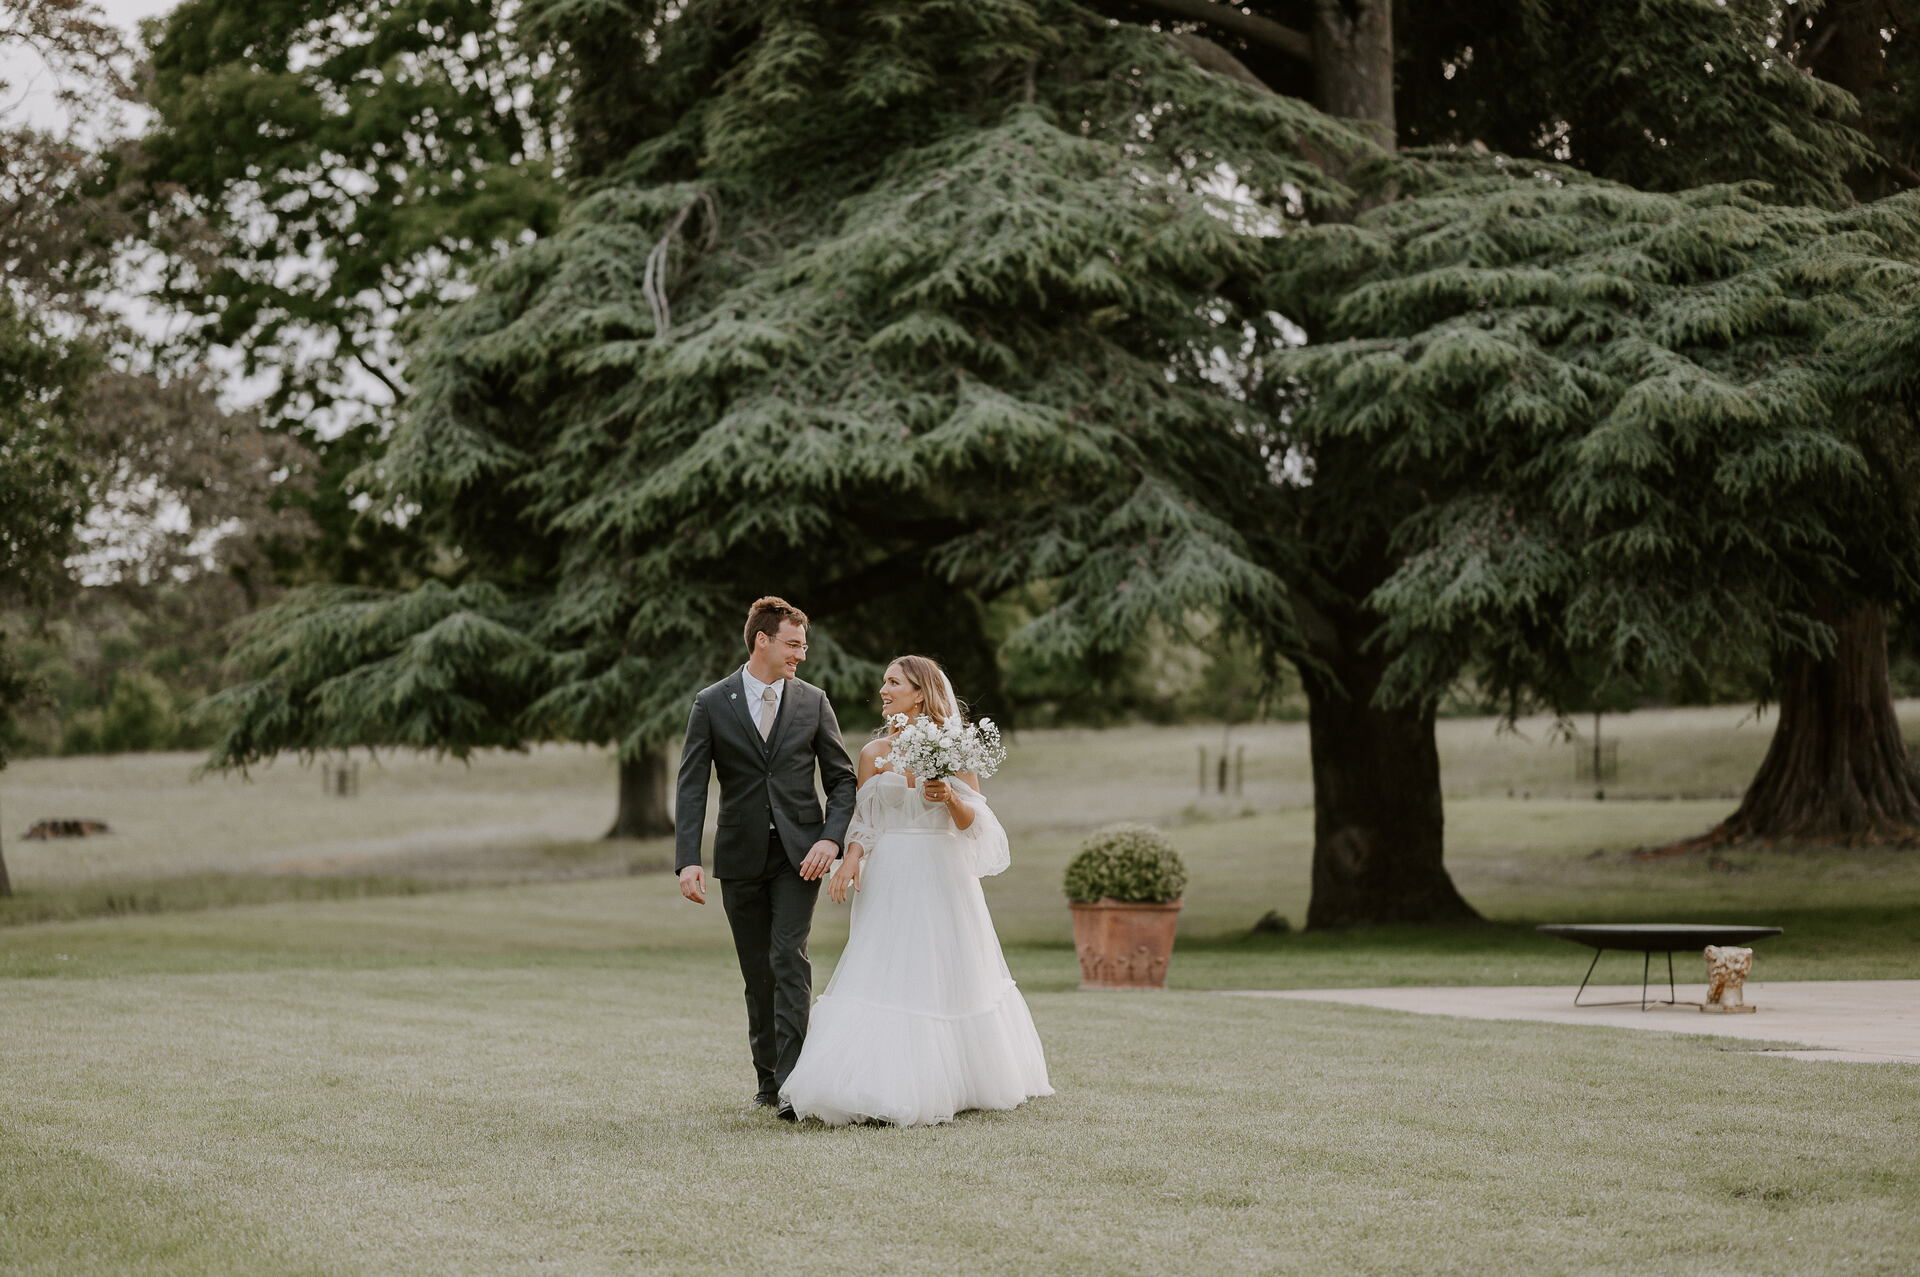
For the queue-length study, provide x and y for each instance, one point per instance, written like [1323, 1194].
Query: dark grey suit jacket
[761, 782]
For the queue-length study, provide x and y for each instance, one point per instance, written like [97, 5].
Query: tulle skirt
[921, 1019]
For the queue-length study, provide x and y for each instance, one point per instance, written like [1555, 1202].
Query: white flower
[938, 751]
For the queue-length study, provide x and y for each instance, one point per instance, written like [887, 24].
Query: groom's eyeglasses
[798, 647]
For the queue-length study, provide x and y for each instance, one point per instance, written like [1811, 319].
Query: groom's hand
[693, 884]
[819, 860]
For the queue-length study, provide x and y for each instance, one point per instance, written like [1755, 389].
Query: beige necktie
[766, 712]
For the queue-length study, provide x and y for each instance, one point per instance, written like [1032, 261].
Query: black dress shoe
[765, 1101]
[787, 1114]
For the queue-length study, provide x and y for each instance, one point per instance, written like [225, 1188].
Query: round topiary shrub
[1131, 863]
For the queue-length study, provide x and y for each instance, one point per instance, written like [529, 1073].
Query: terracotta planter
[1123, 945]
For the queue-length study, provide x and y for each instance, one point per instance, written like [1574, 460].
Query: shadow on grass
[191, 892]
[1863, 942]
[187, 893]
[1825, 942]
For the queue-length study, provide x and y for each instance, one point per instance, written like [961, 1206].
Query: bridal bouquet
[933, 752]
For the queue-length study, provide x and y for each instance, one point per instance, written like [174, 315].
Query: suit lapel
[780, 719]
[737, 697]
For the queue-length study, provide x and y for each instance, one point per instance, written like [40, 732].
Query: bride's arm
[847, 873]
[982, 840]
[858, 835]
[938, 791]
[958, 807]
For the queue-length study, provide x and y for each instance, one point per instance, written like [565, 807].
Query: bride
[921, 1019]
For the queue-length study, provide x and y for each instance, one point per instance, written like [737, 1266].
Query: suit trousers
[771, 916]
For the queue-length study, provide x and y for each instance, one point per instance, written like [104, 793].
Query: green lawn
[552, 1075]
[554, 1078]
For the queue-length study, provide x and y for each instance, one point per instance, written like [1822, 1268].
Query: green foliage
[346, 547]
[1871, 49]
[15, 689]
[441, 668]
[41, 483]
[115, 669]
[1212, 674]
[930, 353]
[1662, 94]
[194, 506]
[910, 327]
[388, 148]
[1627, 415]
[1132, 863]
[139, 715]
[42, 486]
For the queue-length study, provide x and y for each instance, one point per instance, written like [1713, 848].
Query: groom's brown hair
[766, 614]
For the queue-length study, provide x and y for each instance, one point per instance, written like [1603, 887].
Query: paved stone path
[1858, 1021]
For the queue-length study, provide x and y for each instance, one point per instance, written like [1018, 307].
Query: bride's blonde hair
[925, 676]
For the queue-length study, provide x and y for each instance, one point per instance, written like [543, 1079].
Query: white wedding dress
[921, 1019]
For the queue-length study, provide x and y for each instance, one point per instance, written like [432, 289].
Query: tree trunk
[643, 797]
[1353, 62]
[1378, 823]
[1379, 828]
[1837, 769]
[6, 884]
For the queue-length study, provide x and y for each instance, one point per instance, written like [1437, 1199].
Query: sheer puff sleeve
[864, 828]
[984, 841]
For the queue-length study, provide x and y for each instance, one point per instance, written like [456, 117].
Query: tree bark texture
[1378, 823]
[643, 811]
[1838, 769]
[1353, 61]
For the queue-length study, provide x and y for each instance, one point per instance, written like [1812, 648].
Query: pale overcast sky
[30, 88]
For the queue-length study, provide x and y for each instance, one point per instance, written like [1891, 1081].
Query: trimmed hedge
[1130, 863]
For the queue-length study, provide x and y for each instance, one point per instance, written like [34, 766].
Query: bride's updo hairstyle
[925, 676]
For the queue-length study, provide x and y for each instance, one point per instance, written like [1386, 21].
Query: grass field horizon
[546, 1069]
[1550, 852]
[182, 838]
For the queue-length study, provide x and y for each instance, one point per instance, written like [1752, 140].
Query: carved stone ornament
[1727, 970]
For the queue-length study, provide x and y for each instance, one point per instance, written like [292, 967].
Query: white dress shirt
[755, 696]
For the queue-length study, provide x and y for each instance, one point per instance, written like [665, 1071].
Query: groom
[763, 730]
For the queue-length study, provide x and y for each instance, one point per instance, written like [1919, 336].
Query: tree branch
[1264, 31]
[398, 391]
[1209, 56]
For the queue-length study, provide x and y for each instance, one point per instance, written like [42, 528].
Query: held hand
[693, 884]
[847, 875]
[819, 860]
[939, 791]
